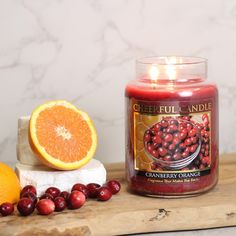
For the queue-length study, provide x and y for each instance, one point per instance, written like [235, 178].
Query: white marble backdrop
[84, 51]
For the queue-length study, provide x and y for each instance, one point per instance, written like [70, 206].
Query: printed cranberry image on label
[175, 143]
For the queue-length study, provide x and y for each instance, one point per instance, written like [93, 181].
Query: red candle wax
[172, 129]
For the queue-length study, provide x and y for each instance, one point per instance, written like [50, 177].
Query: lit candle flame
[154, 72]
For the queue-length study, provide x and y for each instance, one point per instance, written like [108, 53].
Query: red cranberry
[186, 118]
[165, 144]
[170, 129]
[46, 196]
[206, 134]
[162, 151]
[164, 132]
[160, 134]
[206, 153]
[153, 132]
[147, 137]
[176, 141]
[60, 204]
[184, 124]
[203, 133]
[45, 207]
[192, 133]
[188, 142]
[177, 150]
[185, 154]
[76, 200]
[157, 127]
[28, 188]
[182, 146]
[208, 160]
[30, 195]
[193, 140]
[155, 153]
[168, 138]
[167, 158]
[183, 134]
[156, 139]
[177, 156]
[114, 186]
[82, 188]
[173, 128]
[25, 206]
[202, 150]
[205, 160]
[104, 194]
[174, 122]
[193, 148]
[176, 135]
[206, 122]
[189, 126]
[164, 123]
[55, 192]
[6, 209]
[205, 119]
[171, 147]
[206, 140]
[93, 190]
[148, 131]
[187, 149]
[204, 116]
[150, 148]
[199, 127]
[65, 195]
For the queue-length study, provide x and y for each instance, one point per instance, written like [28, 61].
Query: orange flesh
[63, 133]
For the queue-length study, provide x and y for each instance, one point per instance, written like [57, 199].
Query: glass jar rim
[171, 60]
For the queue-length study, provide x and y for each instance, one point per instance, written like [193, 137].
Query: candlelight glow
[171, 68]
[154, 72]
[171, 72]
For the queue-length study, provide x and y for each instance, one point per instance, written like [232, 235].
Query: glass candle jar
[171, 128]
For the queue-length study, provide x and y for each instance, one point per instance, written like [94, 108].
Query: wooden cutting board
[128, 214]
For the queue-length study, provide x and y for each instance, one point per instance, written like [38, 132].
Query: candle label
[172, 140]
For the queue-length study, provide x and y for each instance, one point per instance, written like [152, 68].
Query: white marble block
[24, 153]
[42, 177]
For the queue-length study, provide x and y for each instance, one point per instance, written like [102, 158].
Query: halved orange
[62, 136]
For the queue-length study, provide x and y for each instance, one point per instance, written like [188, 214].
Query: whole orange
[9, 185]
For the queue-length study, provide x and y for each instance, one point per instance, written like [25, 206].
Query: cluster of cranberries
[203, 160]
[177, 138]
[55, 200]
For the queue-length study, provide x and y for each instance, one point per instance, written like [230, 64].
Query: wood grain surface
[128, 214]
